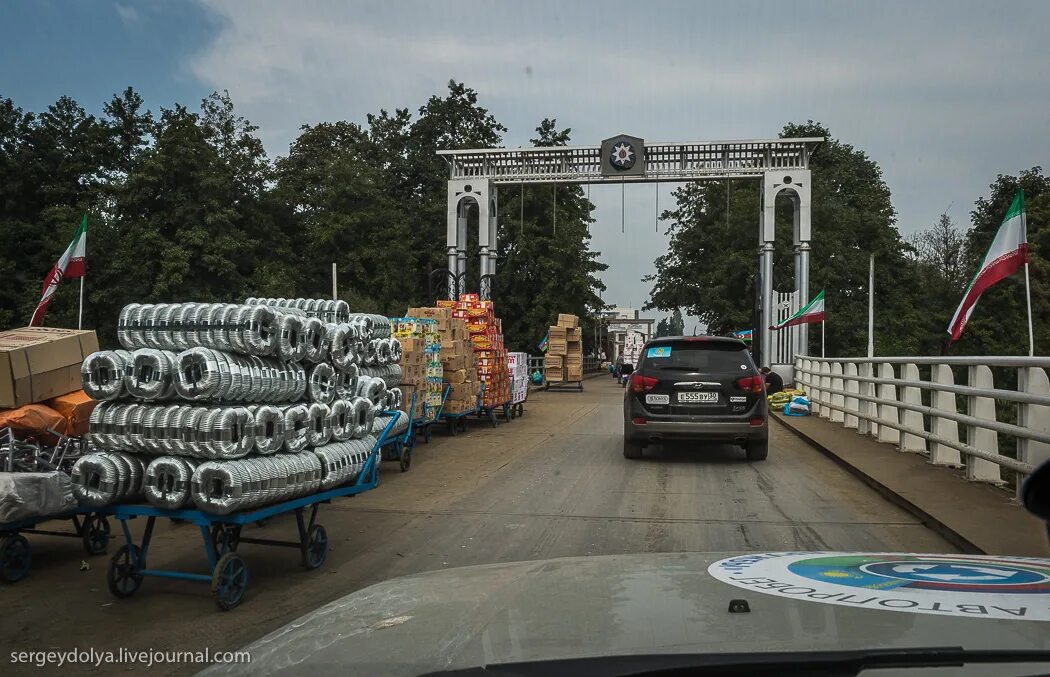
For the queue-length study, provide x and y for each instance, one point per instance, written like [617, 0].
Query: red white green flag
[813, 312]
[1007, 255]
[71, 264]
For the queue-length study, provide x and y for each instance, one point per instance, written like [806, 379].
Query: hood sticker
[964, 586]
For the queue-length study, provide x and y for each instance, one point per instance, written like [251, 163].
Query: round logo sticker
[968, 586]
[622, 156]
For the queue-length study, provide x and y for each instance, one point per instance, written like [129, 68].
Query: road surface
[551, 484]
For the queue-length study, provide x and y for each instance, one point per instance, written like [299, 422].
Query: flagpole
[871, 306]
[80, 315]
[822, 338]
[1028, 298]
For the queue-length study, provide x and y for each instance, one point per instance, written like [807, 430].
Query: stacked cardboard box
[456, 357]
[486, 337]
[564, 360]
[38, 363]
[518, 366]
[421, 370]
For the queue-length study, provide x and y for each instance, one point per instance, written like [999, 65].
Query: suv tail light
[641, 384]
[752, 384]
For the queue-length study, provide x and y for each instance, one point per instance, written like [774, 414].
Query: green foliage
[187, 206]
[999, 325]
[711, 266]
[542, 272]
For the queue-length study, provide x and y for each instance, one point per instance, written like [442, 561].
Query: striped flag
[1007, 255]
[543, 344]
[71, 265]
[813, 312]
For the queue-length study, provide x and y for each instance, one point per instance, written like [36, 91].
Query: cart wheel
[95, 534]
[581, 386]
[410, 443]
[406, 460]
[15, 558]
[229, 580]
[315, 550]
[427, 434]
[463, 423]
[507, 409]
[123, 576]
[521, 409]
[453, 426]
[225, 538]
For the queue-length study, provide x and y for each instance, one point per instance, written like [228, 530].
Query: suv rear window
[703, 356]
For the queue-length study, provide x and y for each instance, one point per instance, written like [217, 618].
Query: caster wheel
[95, 534]
[229, 581]
[315, 551]
[225, 538]
[123, 576]
[463, 424]
[427, 434]
[15, 558]
[453, 426]
[406, 460]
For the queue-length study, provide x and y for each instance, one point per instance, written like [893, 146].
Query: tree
[711, 266]
[998, 325]
[543, 272]
[662, 328]
[676, 325]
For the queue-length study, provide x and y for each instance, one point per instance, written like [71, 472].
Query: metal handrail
[814, 374]
[1004, 428]
[990, 361]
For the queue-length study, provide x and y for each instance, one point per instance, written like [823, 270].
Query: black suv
[702, 388]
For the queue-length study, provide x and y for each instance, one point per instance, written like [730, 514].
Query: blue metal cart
[491, 413]
[398, 447]
[425, 424]
[227, 573]
[16, 557]
[457, 423]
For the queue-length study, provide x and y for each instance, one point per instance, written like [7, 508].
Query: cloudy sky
[944, 95]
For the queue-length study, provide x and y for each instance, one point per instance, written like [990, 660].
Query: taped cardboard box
[38, 363]
[557, 347]
[556, 332]
[455, 363]
[458, 376]
[566, 320]
[464, 391]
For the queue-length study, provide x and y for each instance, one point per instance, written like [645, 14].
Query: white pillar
[825, 384]
[867, 410]
[766, 268]
[1034, 417]
[837, 415]
[888, 412]
[852, 386]
[910, 418]
[978, 469]
[942, 427]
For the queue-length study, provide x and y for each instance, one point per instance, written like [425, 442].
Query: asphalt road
[551, 484]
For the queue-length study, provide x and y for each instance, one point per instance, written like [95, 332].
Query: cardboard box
[38, 363]
[558, 333]
[458, 376]
[464, 391]
[554, 361]
[574, 334]
[454, 363]
[412, 345]
[554, 374]
[565, 320]
[557, 347]
[572, 360]
[573, 373]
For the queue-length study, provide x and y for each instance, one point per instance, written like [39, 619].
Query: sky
[943, 95]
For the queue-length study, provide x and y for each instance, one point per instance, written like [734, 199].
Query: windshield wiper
[823, 663]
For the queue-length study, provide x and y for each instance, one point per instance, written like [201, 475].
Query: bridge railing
[947, 408]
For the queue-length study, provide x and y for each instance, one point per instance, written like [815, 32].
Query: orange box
[470, 298]
[76, 408]
[446, 303]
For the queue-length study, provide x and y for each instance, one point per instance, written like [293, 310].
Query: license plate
[698, 397]
[657, 399]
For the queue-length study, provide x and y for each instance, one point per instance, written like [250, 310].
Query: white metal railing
[888, 398]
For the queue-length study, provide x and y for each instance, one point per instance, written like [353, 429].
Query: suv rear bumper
[655, 431]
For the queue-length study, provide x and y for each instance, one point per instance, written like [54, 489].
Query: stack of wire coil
[232, 406]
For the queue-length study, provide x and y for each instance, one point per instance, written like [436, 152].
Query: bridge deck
[551, 484]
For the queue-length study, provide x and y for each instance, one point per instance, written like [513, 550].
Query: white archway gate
[782, 165]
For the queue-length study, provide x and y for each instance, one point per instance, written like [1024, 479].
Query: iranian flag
[1007, 255]
[813, 312]
[71, 264]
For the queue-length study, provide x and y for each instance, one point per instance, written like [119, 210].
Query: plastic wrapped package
[25, 495]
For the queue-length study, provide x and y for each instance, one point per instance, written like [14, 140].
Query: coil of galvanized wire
[151, 374]
[223, 487]
[104, 478]
[346, 382]
[102, 375]
[168, 482]
[269, 429]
